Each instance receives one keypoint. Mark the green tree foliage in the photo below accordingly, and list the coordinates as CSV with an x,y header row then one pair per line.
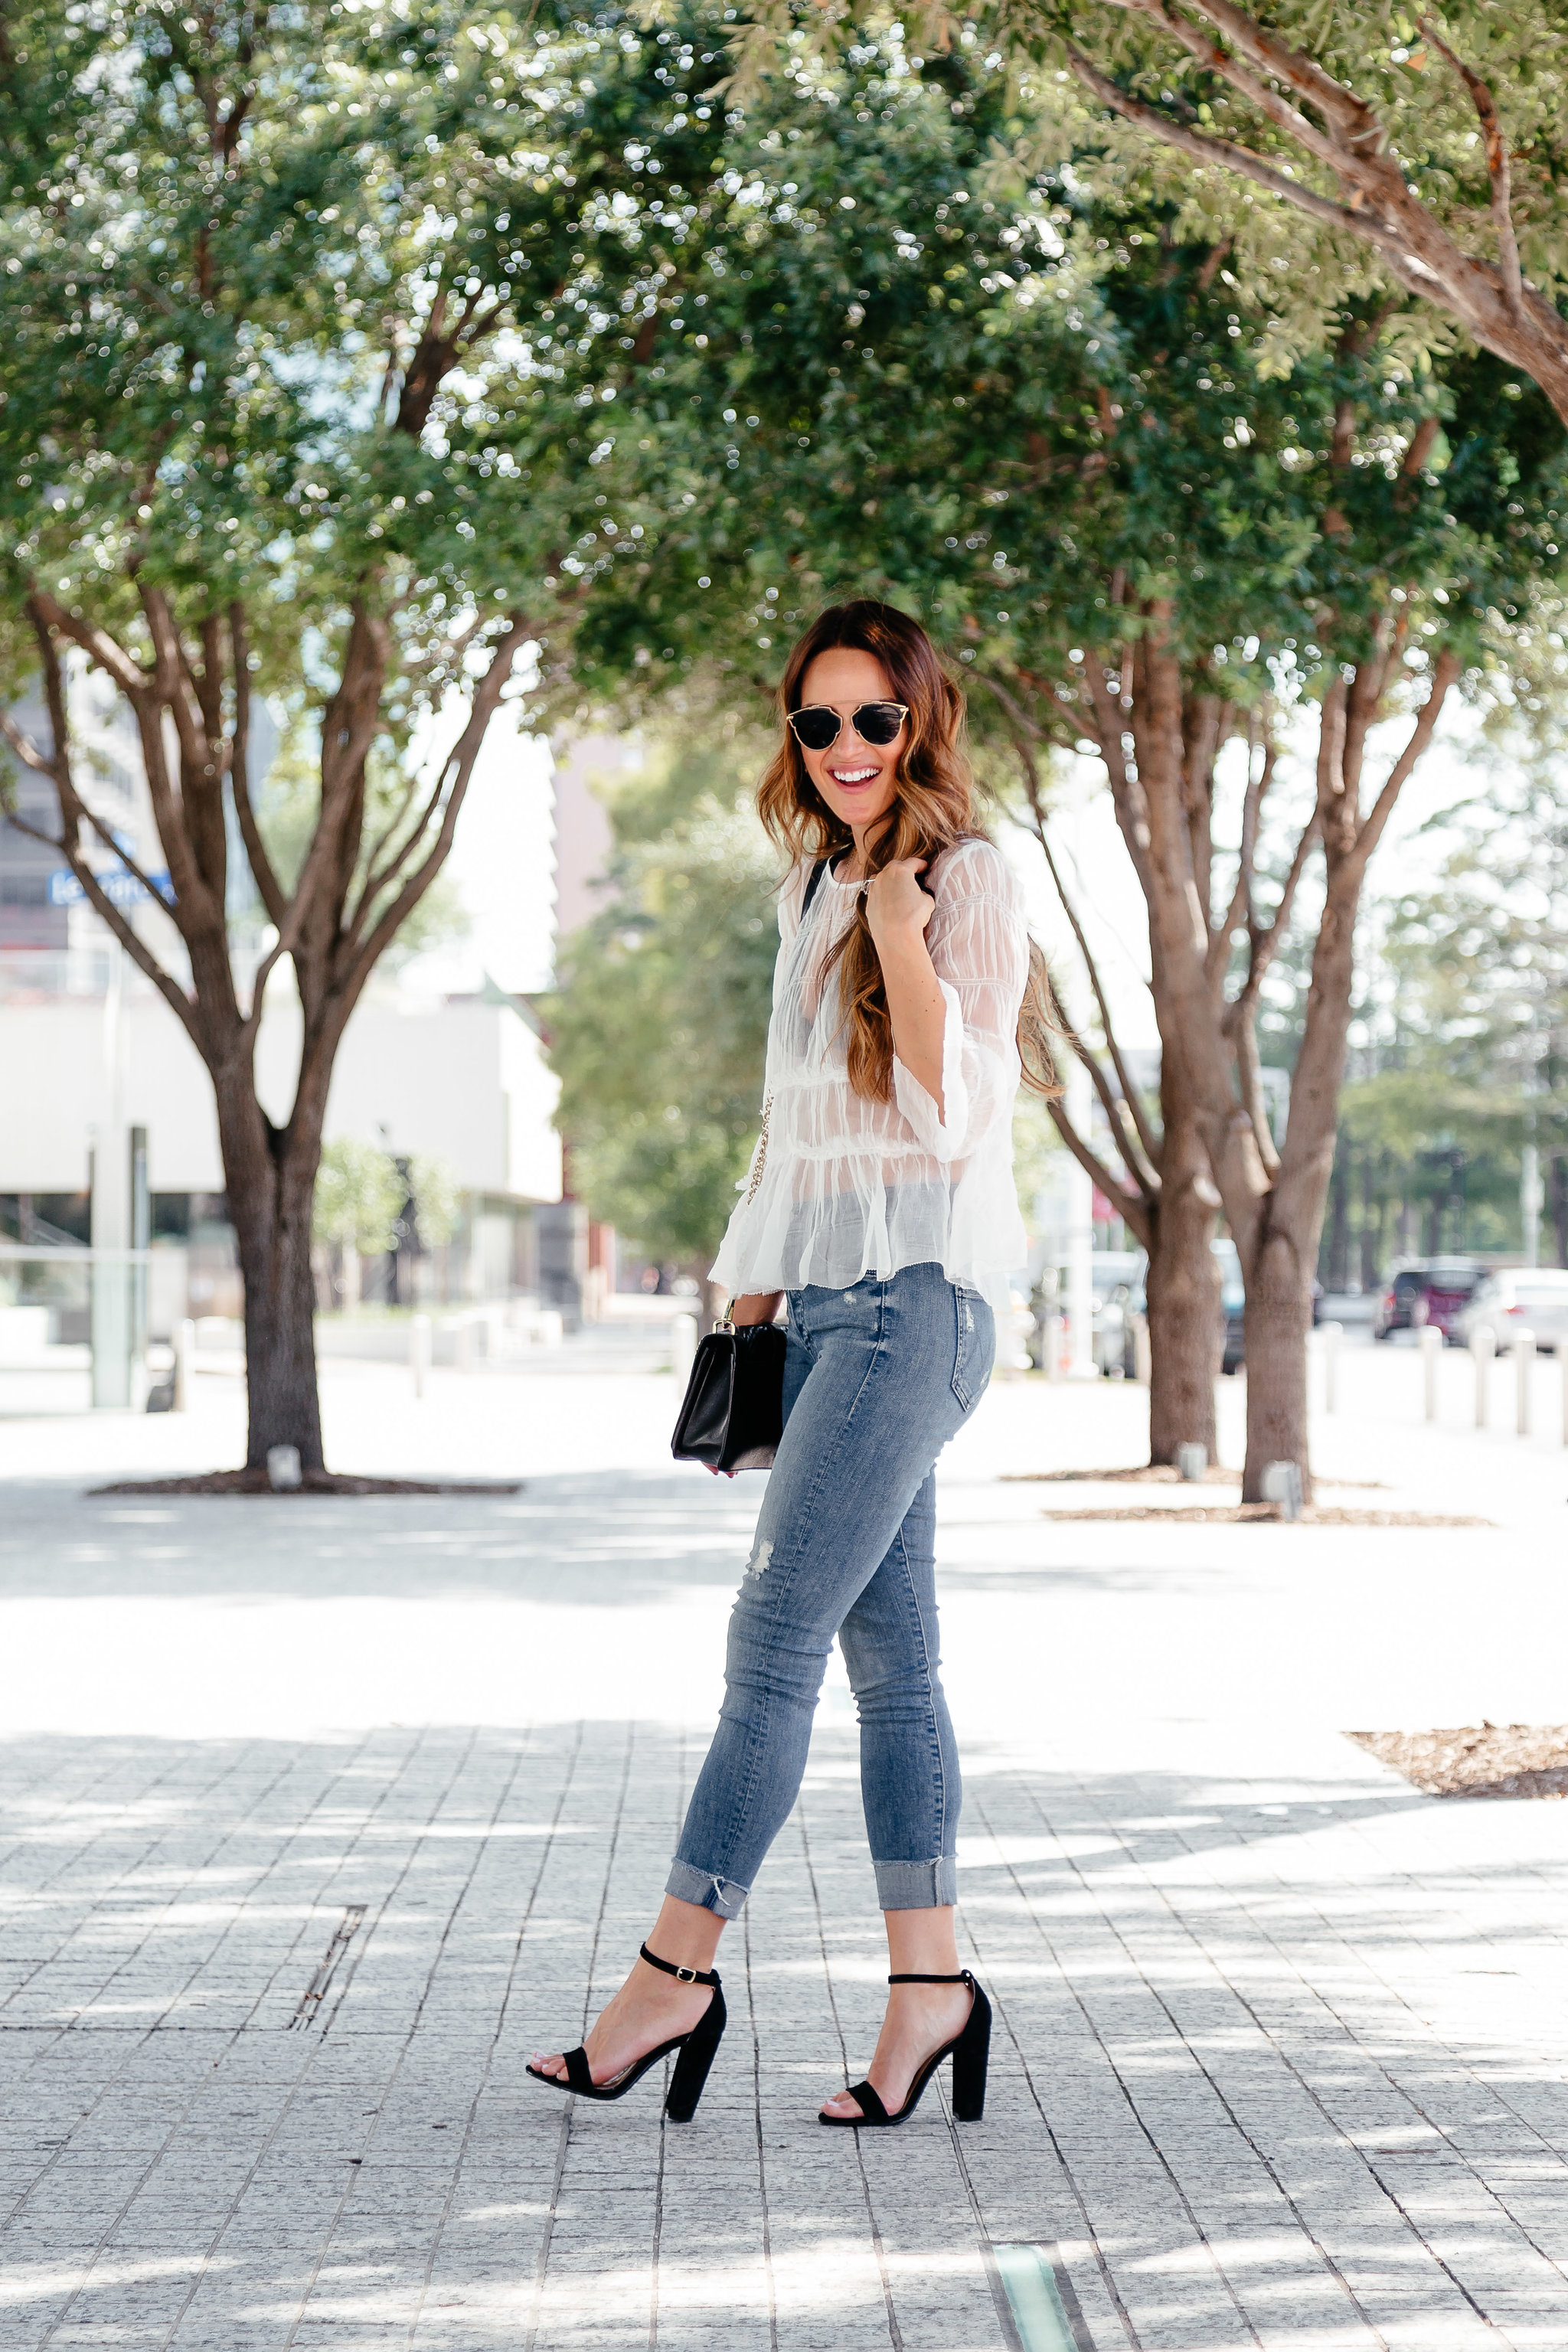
x,y
360,1194
660,1022
1466,1025
1338,149
437,1202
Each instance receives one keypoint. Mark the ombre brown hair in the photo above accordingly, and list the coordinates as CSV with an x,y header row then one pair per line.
x,y
934,809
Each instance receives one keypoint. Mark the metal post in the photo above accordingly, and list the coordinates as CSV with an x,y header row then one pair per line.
x,y
1080,1235
111,1275
1524,1368
419,1351
1431,1352
1483,1348
184,1350
1142,1355
1332,1333
1282,1487
1052,1346
682,1345
1192,1464
1531,1200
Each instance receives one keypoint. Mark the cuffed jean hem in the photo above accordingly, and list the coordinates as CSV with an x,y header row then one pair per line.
x,y
709,1893
916,1885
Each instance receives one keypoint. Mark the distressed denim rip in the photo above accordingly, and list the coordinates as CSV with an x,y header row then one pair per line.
x,y
876,1378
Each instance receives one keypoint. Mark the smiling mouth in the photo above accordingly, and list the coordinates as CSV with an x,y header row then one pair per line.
x,y
854,775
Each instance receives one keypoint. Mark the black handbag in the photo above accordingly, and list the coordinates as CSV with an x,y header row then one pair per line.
x,y
732,1413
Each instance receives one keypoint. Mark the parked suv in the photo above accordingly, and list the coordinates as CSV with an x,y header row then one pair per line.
x,y
1519,1298
1435,1290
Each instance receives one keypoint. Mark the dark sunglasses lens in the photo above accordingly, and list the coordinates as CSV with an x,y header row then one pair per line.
x,y
817,729
878,722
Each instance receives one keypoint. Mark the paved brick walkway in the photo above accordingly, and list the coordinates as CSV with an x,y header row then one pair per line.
x,y
1280,2048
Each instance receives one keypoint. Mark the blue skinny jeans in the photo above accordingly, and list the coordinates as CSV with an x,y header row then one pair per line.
x,y
877,1379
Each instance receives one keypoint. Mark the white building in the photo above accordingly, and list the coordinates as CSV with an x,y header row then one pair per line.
x,y
441,1063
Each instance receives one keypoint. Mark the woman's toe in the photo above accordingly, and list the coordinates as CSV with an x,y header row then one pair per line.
x,y
841,2104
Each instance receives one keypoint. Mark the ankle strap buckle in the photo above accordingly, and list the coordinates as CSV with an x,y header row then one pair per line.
x,y
687,1976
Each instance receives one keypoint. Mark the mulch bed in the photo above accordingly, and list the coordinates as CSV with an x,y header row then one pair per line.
x,y
314,1481
1162,1473
1152,1474
1484,1759
1315,1514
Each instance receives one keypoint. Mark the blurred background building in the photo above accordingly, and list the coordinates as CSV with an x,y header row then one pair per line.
x,y
443,1063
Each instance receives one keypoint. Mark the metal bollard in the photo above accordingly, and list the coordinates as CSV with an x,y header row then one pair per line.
x,y
1143,1355
1332,1334
184,1353
1282,1487
682,1345
1191,1463
1431,1352
1524,1342
1483,1348
419,1352
1051,1346
283,1472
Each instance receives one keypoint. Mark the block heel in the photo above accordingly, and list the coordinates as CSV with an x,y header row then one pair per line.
x,y
697,2052
969,2050
971,2059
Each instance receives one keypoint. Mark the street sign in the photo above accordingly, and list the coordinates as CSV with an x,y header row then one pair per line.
x,y
121,889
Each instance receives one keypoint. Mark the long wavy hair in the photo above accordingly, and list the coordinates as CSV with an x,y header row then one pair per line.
x,y
932,810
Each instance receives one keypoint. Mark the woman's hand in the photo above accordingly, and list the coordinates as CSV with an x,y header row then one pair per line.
x,y
897,909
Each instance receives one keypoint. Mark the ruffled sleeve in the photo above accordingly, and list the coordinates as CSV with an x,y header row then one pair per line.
x,y
979,949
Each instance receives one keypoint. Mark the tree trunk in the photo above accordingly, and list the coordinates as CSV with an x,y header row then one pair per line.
x,y
1184,1284
270,1177
1278,1317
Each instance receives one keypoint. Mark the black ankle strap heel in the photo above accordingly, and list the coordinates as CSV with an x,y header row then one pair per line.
x,y
694,2052
969,2050
687,1976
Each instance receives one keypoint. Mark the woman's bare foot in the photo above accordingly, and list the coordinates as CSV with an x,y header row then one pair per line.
x,y
919,2019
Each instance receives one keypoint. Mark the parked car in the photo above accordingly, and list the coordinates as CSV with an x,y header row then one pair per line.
x,y
1434,1291
1519,1298
1117,1280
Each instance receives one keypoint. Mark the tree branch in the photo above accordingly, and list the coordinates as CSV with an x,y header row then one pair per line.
x,y
459,764
272,894
1130,1206
1498,170
72,809
97,644
1213,150
1445,671
1250,1080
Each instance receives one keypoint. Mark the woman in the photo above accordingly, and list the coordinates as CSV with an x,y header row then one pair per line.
x,y
880,1208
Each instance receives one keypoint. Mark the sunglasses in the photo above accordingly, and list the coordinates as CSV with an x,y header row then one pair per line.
x,y
817,727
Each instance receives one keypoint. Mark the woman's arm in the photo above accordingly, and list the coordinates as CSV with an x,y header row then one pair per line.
x,y
754,1306
898,910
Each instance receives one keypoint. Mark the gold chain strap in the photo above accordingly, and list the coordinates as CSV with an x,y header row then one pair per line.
x,y
761,1161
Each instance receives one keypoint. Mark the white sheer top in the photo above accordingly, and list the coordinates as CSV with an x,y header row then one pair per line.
x,y
839,1186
